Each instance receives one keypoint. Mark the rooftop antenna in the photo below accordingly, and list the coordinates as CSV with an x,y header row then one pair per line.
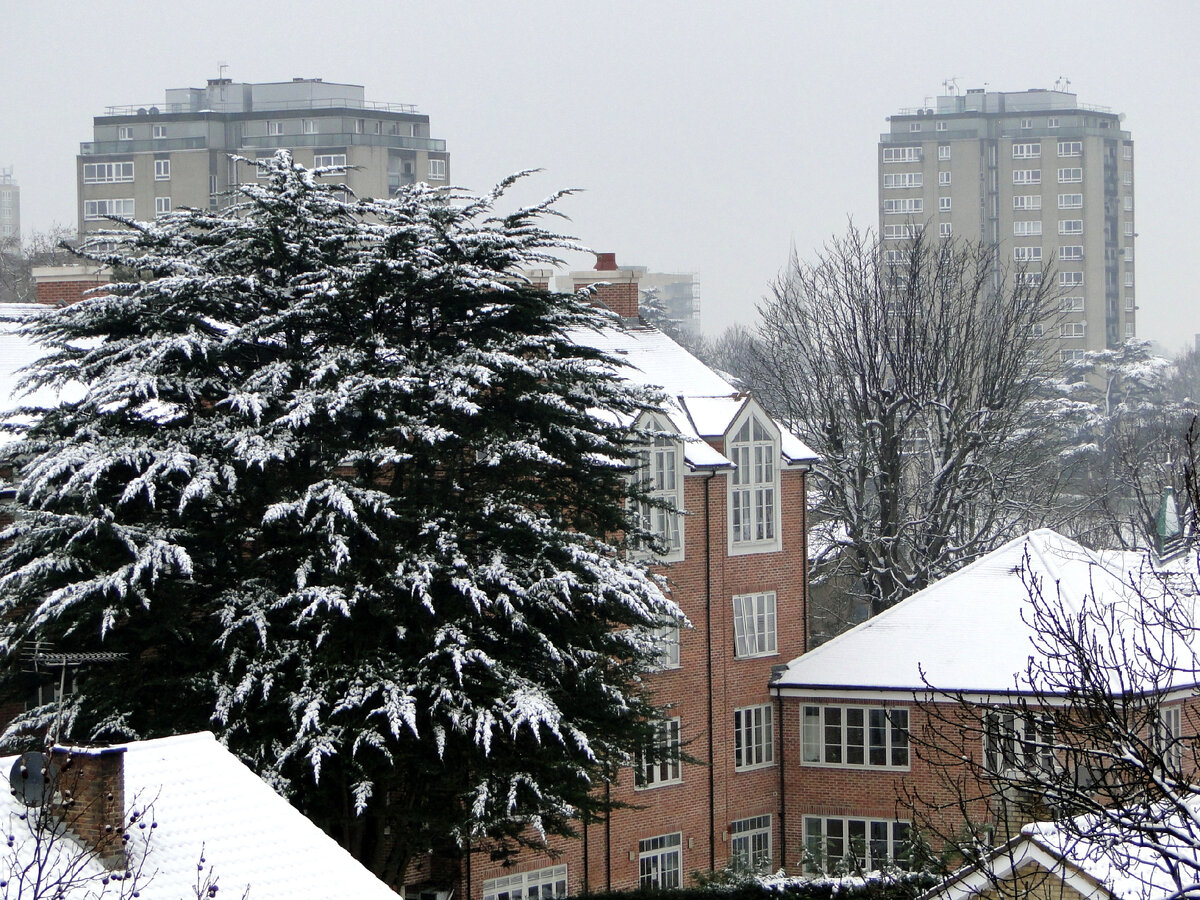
x,y
43,657
951,86
221,67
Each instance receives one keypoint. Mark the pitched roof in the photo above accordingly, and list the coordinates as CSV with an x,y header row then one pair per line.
x,y
970,631
207,803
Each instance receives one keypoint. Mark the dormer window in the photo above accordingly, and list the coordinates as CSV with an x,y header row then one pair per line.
x,y
754,487
662,484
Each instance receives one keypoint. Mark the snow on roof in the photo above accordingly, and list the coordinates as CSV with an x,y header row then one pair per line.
x,y
16,352
966,632
709,402
206,802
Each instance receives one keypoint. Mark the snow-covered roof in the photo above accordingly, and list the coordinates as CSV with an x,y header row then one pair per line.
x,y
702,404
16,352
967,632
206,802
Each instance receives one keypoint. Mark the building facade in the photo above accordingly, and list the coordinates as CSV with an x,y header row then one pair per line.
x,y
10,207
145,160
1044,179
737,570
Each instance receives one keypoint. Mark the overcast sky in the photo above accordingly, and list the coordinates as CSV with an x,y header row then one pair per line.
x,y
706,136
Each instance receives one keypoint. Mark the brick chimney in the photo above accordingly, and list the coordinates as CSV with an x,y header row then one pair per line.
x,y
63,285
91,784
618,289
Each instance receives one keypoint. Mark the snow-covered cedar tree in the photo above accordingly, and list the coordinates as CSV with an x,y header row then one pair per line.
x,y
924,389
342,485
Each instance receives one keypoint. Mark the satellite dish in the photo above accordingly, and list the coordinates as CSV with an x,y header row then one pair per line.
x,y
32,778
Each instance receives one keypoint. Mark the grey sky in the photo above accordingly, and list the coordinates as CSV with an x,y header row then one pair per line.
x,y
707,136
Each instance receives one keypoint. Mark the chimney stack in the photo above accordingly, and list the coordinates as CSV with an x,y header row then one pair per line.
x,y
91,785
619,290
64,285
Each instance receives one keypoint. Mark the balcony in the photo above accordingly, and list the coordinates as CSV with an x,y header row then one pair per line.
x,y
394,141
105,148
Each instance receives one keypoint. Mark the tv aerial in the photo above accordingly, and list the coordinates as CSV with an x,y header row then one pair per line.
x,y
43,657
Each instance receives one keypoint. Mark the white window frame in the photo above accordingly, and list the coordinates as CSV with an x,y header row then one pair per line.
x,y
274,128
162,206
308,126
944,179
1070,148
906,206
941,126
108,172
1027,151
1128,204
1027,201
753,492
660,862
1015,742
1129,330
1071,253
945,229
1026,124
943,152
943,204
1070,226
1072,330
755,624
158,132
1128,229
662,766
666,639
1071,175
1027,254
1071,304
1128,279
831,734
904,232
1027,176
892,180
112,206
538,884
124,132
880,837
1126,152
1071,355
753,737
1070,279
162,170
750,845
661,472
902,154
1052,122
914,126
437,170
1070,201
1031,278
1027,228
329,161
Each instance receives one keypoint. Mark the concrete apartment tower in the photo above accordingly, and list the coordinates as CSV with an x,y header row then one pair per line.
x,y
145,160
10,207
1046,179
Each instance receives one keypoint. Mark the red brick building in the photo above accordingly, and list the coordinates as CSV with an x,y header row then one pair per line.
x,y
738,573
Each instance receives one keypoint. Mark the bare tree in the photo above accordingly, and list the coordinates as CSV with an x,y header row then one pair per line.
x,y
919,374
1097,740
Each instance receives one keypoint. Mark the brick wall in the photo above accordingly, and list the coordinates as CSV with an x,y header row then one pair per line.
x,y
64,292
92,784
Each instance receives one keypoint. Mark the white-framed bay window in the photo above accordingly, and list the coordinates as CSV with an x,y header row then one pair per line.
x,y
539,884
754,485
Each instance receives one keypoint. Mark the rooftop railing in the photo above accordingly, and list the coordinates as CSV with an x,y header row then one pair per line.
x,y
151,109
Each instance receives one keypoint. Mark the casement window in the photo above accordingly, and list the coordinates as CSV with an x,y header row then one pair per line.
x,y
536,885
1031,278
914,126
1128,279
1037,329
124,132
943,151
754,737
1070,279
660,862
754,487
901,154
261,170
661,481
1052,122
659,763
896,257
1166,730
750,845
832,842
162,170
944,179
904,206
1015,742
107,173
866,736
1070,201
274,128
1026,151
309,126
329,160
1070,148
1027,254
1071,304
902,180
98,209
162,205
666,639
1027,229
1129,332
1072,329
158,132
1027,176
1070,176
1027,201
754,625
1127,152
1070,226
1128,229
1026,124
437,170
941,126
1071,253
903,232
1130,306
1069,356
945,230
1127,204
943,204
